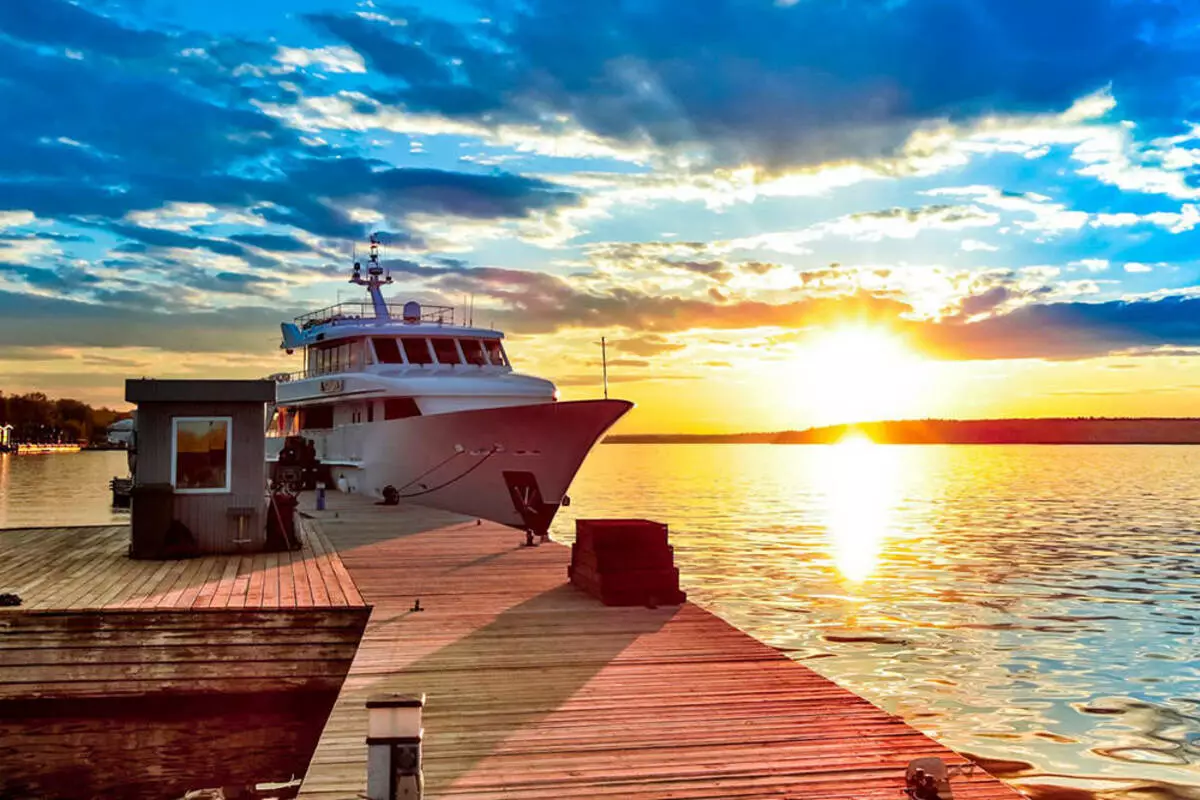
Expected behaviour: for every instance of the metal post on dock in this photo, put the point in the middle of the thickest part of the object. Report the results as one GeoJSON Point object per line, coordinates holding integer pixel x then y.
{"type": "Point", "coordinates": [394, 736]}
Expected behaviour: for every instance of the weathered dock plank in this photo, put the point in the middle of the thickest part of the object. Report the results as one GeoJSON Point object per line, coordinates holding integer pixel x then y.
{"type": "Point", "coordinates": [534, 690]}
{"type": "Point", "coordinates": [88, 568]}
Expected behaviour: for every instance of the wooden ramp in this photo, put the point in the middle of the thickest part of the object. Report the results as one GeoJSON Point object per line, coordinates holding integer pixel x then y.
{"type": "Point", "coordinates": [534, 690]}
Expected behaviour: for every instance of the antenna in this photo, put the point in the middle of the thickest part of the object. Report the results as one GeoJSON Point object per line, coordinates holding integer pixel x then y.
{"type": "Point", "coordinates": [604, 363]}
{"type": "Point", "coordinates": [472, 310]}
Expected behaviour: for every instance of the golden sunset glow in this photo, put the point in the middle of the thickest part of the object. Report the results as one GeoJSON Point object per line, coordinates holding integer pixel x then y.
{"type": "Point", "coordinates": [856, 374]}
{"type": "Point", "coordinates": [862, 487]}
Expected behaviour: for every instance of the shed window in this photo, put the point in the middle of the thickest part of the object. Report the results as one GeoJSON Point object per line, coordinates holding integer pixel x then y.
{"type": "Point", "coordinates": [387, 351]}
{"type": "Point", "coordinates": [417, 350]}
{"type": "Point", "coordinates": [473, 350]}
{"type": "Point", "coordinates": [445, 350]}
{"type": "Point", "coordinates": [201, 452]}
{"type": "Point", "coordinates": [495, 352]}
{"type": "Point", "coordinates": [400, 408]}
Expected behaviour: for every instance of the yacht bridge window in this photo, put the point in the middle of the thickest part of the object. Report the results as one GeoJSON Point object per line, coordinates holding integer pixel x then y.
{"type": "Point", "coordinates": [495, 352]}
{"type": "Point", "coordinates": [416, 350]}
{"type": "Point", "coordinates": [445, 350]}
{"type": "Point", "coordinates": [386, 350]}
{"type": "Point", "coordinates": [474, 352]}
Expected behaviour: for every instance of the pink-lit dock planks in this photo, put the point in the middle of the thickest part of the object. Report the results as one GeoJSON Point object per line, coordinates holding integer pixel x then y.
{"type": "Point", "coordinates": [534, 690]}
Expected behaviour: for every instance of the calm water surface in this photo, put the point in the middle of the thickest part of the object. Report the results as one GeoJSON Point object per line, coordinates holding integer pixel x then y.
{"type": "Point", "coordinates": [59, 489]}
{"type": "Point", "coordinates": [1024, 604]}
{"type": "Point", "coordinates": [1035, 606]}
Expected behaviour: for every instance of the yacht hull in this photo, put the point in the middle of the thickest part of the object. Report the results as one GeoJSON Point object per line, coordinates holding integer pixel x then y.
{"type": "Point", "coordinates": [511, 464]}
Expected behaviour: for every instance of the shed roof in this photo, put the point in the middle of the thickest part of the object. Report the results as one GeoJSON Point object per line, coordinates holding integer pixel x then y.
{"type": "Point", "coordinates": [146, 390]}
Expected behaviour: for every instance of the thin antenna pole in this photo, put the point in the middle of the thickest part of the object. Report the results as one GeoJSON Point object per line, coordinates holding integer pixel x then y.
{"type": "Point", "coordinates": [604, 362]}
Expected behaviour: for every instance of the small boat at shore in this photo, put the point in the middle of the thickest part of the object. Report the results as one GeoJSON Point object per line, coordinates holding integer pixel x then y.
{"type": "Point", "coordinates": [29, 448]}
{"type": "Point", "coordinates": [401, 402]}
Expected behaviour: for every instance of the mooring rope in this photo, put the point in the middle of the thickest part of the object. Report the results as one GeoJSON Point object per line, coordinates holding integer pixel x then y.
{"type": "Point", "coordinates": [456, 479]}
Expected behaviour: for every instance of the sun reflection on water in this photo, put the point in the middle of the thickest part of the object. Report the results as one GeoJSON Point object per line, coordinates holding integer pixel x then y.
{"type": "Point", "coordinates": [861, 485]}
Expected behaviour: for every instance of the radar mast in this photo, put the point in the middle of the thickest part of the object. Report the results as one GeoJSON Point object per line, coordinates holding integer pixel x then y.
{"type": "Point", "coordinates": [374, 280]}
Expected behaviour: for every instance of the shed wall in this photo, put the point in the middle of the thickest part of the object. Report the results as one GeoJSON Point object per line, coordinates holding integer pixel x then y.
{"type": "Point", "coordinates": [206, 515]}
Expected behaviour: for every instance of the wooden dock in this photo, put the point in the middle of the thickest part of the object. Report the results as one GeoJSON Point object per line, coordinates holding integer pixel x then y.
{"type": "Point", "coordinates": [87, 568]}
{"type": "Point", "coordinates": [125, 678]}
{"type": "Point", "coordinates": [534, 690]}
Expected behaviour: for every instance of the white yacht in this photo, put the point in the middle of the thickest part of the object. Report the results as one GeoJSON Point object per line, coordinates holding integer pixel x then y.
{"type": "Point", "coordinates": [404, 402]}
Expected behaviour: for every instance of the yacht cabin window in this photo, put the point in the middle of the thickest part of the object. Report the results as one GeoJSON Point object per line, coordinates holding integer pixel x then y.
{"type": "Point", "coordinates": [335, 357]}
{"type": "Point", "coordinates": [386, 350]}
{"type": "Point", "coordinates": [317, 417]}
{"type": "Point", "coordinates": [473, 351]}
{"type": "Point", "coordinates": [495, 352]}
{"type": "Point", "coordinates": [445, 350]}
{"type": "Point", "coordinates": [417, 350]}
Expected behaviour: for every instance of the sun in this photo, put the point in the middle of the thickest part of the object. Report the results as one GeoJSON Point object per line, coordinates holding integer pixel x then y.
{"type": "Point", "coordinates": [860, 374]}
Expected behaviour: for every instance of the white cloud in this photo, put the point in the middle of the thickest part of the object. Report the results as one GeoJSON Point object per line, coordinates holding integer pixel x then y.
{"type": "Point", "coordinates": [176, 216]}
{"type": "Point", "coordinates": [20, 251]}
{"type": "Point", "coordinates": [1048, 217]}
{"type": "Point", "coordinates": [1187, 218]}
{"type": "Point", "coordinates": [1134, 266]}
{"type": "Point", "coordinates": [11, 219]}
{"type": "Point", "coordinates": [1091, 264]}
{"type": "Point", "coordinates": [338, 112]}
{"type": "Point", "coordinates": [974, 245]}
{"type": "Point", "coordinates": [338, 58]}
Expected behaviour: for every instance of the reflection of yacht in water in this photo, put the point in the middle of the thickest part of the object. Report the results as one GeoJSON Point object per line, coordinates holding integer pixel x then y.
{"type": "Point", "coordinates": [404, 398]}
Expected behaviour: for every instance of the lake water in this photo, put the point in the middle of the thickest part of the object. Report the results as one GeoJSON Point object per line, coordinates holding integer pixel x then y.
{"type": "Point", "coordinates": [1035, 607]}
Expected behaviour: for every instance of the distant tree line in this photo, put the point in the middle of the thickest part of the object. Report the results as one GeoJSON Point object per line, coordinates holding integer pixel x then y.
{"type": "Point", "coordinates": [1073, 430]}
{"type": "Point", "coordinates": [35, 418]}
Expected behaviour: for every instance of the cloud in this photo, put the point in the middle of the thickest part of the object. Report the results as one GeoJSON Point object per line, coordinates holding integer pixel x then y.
{"type": "Point", "coordinates": [1065, 330]}
{"type": "Point", "coordinates": [26, 318]}
{"type": "Point", "coordinates": [1048, 217]}
{"type": "Point", "coordinates": [331, 59]}
{"type": "Point", "coordinates": [70, 26]}
{"type": "Point", "coordinates": [1182, 221]}
{"type": "Point", "coordinates": [647, 345]}
{"type": "Point", "coordinates": [272, 241]}
{"type": "Point", "coordinates": [729, 86]}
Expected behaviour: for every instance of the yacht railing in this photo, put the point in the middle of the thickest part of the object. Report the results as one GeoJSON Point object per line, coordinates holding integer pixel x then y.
{"type": "Point", "coordinates": [440, 315]}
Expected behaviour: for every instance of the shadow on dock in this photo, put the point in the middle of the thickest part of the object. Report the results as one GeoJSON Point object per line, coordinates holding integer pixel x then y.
{"type": "Point", "coordinates": [504, 677]}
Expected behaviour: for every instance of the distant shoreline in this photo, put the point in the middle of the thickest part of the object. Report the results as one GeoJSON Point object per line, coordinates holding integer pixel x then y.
{"type": "Point", "coordinates": [1057, 431]}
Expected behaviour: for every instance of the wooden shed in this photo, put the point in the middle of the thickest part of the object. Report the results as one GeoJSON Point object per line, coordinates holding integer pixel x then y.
{"type": "Point", "coordinates": [199, 468]}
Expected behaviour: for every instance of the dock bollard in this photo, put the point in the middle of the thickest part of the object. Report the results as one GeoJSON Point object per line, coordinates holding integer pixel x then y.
{"type": "Point", "coordinates": [394, 747]}
{"type": "Point", "coordinates": [320, 497]}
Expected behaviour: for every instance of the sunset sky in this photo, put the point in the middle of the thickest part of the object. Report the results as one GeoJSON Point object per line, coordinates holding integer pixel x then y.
{"type": "Point", "coordinates": [779, 213]}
